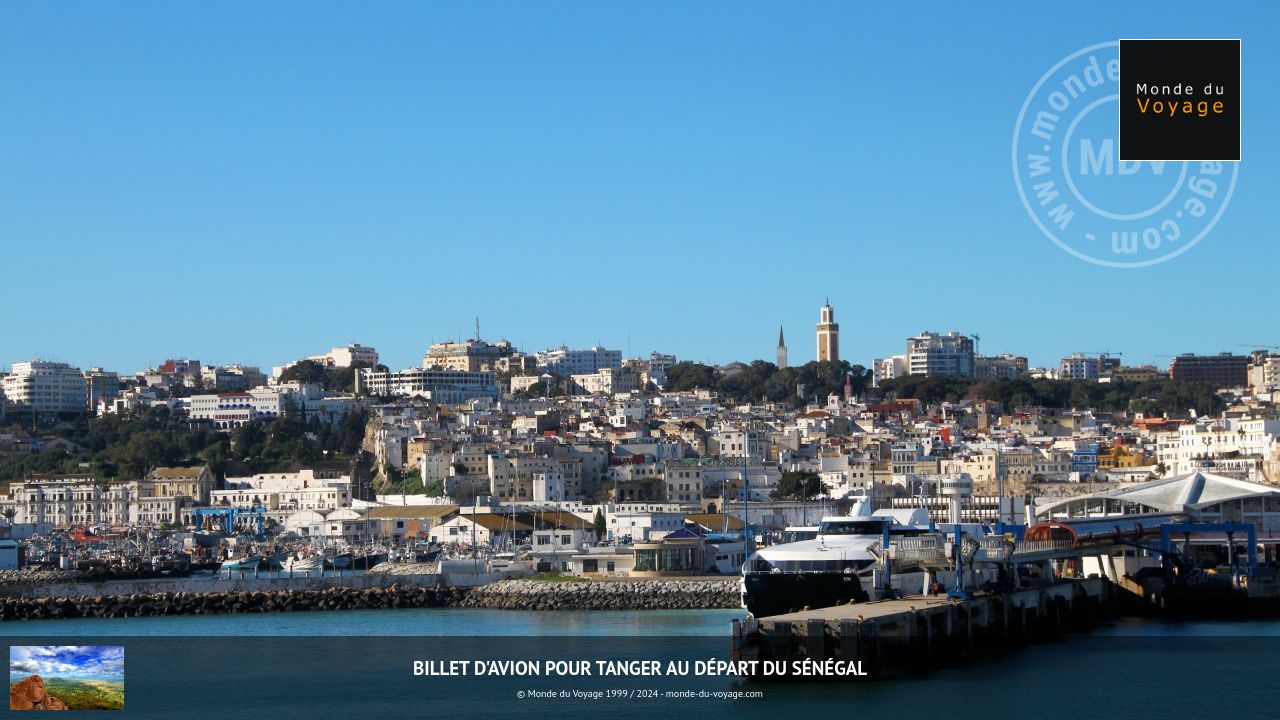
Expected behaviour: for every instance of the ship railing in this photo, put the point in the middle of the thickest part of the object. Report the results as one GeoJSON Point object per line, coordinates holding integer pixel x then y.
{"type": "Point", "coordinates": [996, 549]}
{"type": "Point", "coordinates": [1039, 546]}
{"type": "Point", "coordinates": [926, 550]}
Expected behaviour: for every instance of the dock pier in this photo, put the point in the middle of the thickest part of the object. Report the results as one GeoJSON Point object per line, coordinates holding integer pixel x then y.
{"type": "Point", "coordinates": [916, 631]}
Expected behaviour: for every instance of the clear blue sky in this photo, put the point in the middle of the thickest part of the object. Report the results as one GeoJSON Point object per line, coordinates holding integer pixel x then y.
{"type": "Point", "coordinates": [253, 182]}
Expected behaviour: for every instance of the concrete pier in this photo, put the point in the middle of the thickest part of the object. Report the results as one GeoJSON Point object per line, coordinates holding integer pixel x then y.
{"type": "Point", "coordinates": [915, 631]}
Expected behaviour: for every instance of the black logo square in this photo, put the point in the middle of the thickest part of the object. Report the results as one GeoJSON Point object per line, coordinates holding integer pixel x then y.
{"type": "Point", "coordinates": [1179, 100]}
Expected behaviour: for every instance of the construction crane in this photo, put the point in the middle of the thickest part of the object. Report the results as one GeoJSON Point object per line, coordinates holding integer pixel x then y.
{"type": "Point", "coordinates": [1259, 346]}
{"type": "Point", "coordinates": [977, 340]}
{"type": "Point", "coordinates": [1100, 353]}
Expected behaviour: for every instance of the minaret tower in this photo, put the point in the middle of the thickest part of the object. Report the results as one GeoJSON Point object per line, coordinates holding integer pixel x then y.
{"type": "Point", "coordinates": [782, 350]}
{"type": "Point", "coordinates": [828, 335]}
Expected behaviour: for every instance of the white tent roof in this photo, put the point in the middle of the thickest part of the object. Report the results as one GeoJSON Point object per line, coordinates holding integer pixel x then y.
{"type": "Point", "coordinates": [1177, 494]}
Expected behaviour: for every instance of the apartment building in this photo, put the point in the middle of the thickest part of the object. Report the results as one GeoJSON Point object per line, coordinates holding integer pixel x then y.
{"type": "Point", "coordinates": [930, 353]}
{"type": "Point", "coordinates": [564, 361]}
{"type": "Point", "coordinates": [444, 386]}
{"type": "Point", "coordinates": [46, 386]}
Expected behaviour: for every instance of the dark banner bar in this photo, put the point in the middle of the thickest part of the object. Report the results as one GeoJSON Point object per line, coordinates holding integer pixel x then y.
{"type": "Point", "coordinates": [322, 678]}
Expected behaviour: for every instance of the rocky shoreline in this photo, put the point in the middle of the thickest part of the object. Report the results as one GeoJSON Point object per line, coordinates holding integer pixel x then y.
{"type": "Point", "coordinates": [526, 595]}
{"type": "Point", "coordinates": [33, 576]}
{"type": "Point", "coordinates": [691, 594]}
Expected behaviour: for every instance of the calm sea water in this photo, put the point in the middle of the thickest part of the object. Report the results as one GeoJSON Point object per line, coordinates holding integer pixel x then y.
{"type": "Point", "coordinates": [505, 623]}
{"type": "Point", "coordinates": [400, 623]}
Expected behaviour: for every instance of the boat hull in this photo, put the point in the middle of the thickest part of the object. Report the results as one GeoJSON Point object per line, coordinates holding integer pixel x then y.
{"type": "Point", "coordinates": [775, 593]}
{"type": "Point", "coordinates": [246, 565]}
{"type": "Point", "coordinates": [296, 565]}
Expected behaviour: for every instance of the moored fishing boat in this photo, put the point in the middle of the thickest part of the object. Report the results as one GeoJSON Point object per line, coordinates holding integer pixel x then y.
{"type": "Point", "coordinates": [245, 564]}
{"type": "Point", "coordinates": [302, 563]}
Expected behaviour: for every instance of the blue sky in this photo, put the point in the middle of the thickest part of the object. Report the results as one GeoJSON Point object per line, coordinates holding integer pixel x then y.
{"type": "Point", "coordinates": [100, 662]}
{"type": "Point", "coordinates": [247, 182]}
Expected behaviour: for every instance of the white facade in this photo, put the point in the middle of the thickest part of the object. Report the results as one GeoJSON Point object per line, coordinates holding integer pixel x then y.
{"type": "Point", "coordinates": [606, 381]}
{"type": "Point", "coordinates": [641, 525]}
{"type": "Point", "coordinates": [443, 386]}
{"type": "Point", "coordinates": [564, 361]}
{"type": "Point", "coordinates": [45, 386]}
{"type": "Point", "coordinates": [548, 486]}
{"type": "Point", "coordinates": [1237, 446]}
{"type": "Point", "coordinates": [1264, 372]}
{"type": "Point", "coordinates": [349, 355]}
{"type": "Point", "coordinates": [1078, 367]}
{"type": "Point", "coordinates": [72, 500]}
{"type": "Point", "coordinates": [232, 409]}
{"type": "Point", "coordinates": [932, 354]}
{"type": "Point", "coordinates": [301, 490]}
{"type": "Point", "coordinates": [889, 368]}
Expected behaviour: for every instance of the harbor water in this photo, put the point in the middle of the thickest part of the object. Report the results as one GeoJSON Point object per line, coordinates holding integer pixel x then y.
{"type": "Point", "coordinates": [321, 665]}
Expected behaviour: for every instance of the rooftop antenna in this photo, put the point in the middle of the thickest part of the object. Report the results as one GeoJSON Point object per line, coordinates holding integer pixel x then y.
{"type": "Point", "coordinates": [477, 327]}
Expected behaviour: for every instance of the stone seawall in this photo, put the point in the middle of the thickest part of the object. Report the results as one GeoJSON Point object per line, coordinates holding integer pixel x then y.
{"type": "Point", "coordinates": [684, 594]}
{"type": "Point", "coordinates": [690, 594]}
{"type": "Point", "coordinates": [203, 585]}
{"type": "Point", "coordinates": [213, 603]}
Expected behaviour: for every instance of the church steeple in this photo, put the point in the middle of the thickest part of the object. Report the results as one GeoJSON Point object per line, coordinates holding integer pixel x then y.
{"type": "Point", "coordinates": [782, 350]}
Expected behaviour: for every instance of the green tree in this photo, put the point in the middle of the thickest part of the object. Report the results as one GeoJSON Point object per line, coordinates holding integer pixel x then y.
{"type": "Point", "coordinates": [799, 485]}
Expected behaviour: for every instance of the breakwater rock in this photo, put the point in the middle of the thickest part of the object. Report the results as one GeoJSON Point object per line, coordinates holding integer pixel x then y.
{"type": "Point", "coordinates": [36, 576]}
{"type": "Point", "coordinates": [684, 594]}
{"type": "Point", "coordinates": [390, 568]}
{"type": "Point", "coordinates": [691, 594]}
{"type": "Point", "coordinates": [210, 603]}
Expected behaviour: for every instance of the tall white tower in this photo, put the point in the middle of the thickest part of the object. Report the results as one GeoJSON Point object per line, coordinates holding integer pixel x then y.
{"type": "Point", "coordinates": [782, 350]}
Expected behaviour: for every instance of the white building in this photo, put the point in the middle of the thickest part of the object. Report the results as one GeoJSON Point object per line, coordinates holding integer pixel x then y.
{"type": "Point", "coordinates": [230, 410]}
{"type": "Point", "coordinates": [932, 354]}
{"type": "Point", "coordinates": [564, 361]}
{"type": "Point", "coordinates": [637, 524]}
{"type": "Point", "coordinates": [605, 381]}
{"type": "Point", "coordinates": [1078, 367]}
{"type": "Point", "coordinates": [889, 368]}
{"type": "Point", "coordinates": [232, 377]}
{"type": "Point", "coordinates": [101, 386]}
{"type": "Point", "coordinates": [1208, 497]}
{"type": "Point", "coordinates": [548, 486]}
{"type": "Point", "coordinates": [1264, 372]}
{"type": "Point", "coordinates": [302, 490]}
{"type": "Point", "coordinates": [468, 356]}
{"type": "Point", "coordinates": [1227, 446]}
{"type": "Point", "coordinates": [45, 386]}
{"type": "Point", "coordinates": [348, 355]}
{"type": "Point", "coordinates": [82, 500]}
{"type": "Point", "coordinates": [444, 386]}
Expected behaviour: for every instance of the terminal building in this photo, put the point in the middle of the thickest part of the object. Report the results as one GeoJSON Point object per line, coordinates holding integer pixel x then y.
{"type": "Point", "coordinates": [1205, 497]}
